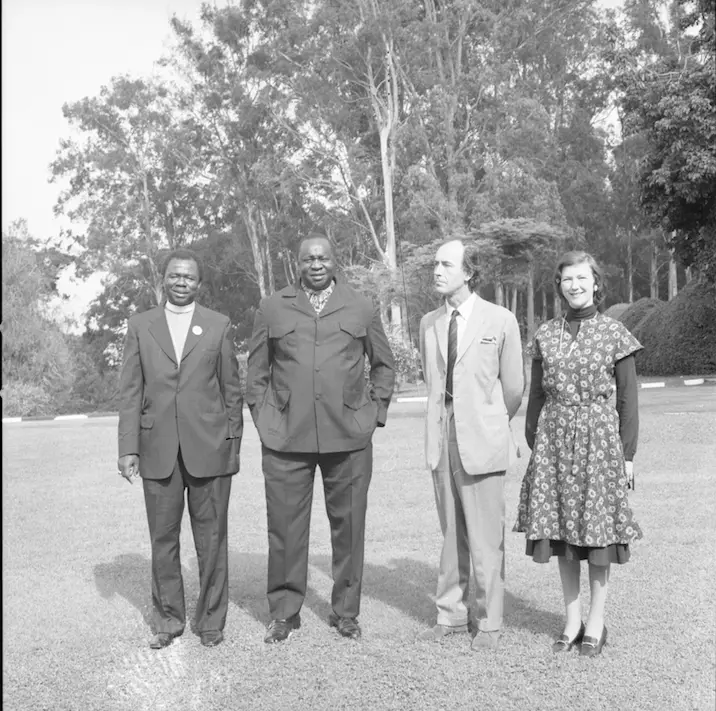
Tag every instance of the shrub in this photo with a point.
(639, 310)
(25, 399)
(679, 337)
(407, 361)
(617, 310)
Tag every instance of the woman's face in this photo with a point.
(578, 286)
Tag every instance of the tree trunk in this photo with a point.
(254, 240)
(556, 303)
(513, 300)
(688, 275)
(673, 283)
(630, 269)
(267, 253)
(499, 293)
(654, 272)
(156, 277)
(545, 313)
(530, 300)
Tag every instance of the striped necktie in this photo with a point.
(452, 354)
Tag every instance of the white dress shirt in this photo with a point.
(179, 320)
(464, 311)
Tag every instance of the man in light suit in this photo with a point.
(180, 426)
(313, 406)
(472, 363)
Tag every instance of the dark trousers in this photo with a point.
(208, 501)
(289, 480)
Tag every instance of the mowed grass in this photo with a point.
(76, 589)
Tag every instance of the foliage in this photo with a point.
(37, 363)
(638, 311)
(670, 103)
(407, 360)
(679, 337)
(616, 311)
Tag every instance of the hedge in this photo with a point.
(679, 336)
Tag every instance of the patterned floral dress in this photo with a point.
(574, 492)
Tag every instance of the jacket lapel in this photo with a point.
(197, 329)
(160, 330)
(336, 301)
(472, 328)
(300, 301)
(441, 333)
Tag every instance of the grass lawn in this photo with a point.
(76, 589)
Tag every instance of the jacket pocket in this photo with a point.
(279, 399)
(356, 330)
(280, 330)
(355, 398)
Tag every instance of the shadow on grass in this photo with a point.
(129, 575)
(247, 583)
(408, 585)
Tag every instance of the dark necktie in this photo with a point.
(452, 355)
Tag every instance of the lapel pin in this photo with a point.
(197, 330)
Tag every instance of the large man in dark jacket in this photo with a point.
(312, 405)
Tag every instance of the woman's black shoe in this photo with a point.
(591, 646)
(564, 644)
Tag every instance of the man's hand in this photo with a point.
(128, 466)
(629, 467)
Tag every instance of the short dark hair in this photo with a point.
(571, 259)
(185, 254)
(470, 261)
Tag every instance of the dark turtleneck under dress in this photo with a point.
(626, 406)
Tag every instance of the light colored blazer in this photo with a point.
(488, 381)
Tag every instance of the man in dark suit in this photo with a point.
(313, 406)
(180, 426)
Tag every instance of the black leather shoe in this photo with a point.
(347, 627)
(161, 640)
(281, 630)
(212, 638)
(564, 644)
(591, 646)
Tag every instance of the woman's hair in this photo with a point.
(571, 259)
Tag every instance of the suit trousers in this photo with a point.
(289, 478)
(472, 518)
(208, 500)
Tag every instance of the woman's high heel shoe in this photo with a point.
(564, 644)
(591, 646)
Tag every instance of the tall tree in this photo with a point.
(132, 188)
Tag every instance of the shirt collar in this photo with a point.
(327, 291)
(174, 309)
(465, 308)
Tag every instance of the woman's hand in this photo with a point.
(629, 467)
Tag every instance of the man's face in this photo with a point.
(181, 281)
(448, 272)
(315, 260)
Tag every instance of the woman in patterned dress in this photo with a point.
(573, 501)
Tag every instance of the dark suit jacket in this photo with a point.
(306, 385)
(195, 404)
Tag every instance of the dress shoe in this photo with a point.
(564, 644)
(212, 638)
(591, 646)
(161, 640)
(435, 634)
(347, 626)
(281, 630)
(486, 640)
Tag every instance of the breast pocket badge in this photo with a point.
(489, 340)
